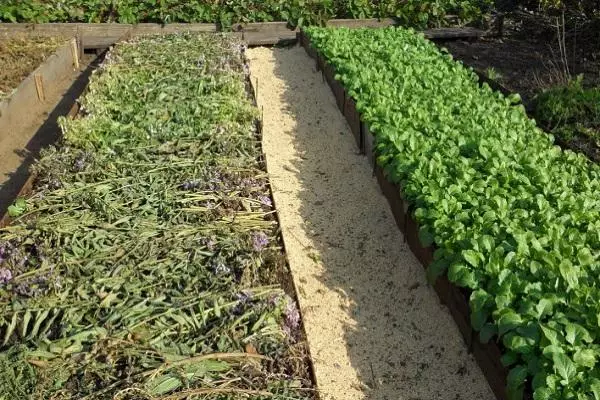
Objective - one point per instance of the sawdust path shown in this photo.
(375, 328)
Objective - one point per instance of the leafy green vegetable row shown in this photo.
(146, 263)
(298, 12)
(514, 219)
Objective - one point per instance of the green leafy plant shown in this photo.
(514, 219)
(17, 208)
(492, 74)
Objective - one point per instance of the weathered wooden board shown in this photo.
(99, 36)
(361, 23)
(453, 33)
(32, 90)
(269, 38)
(263, 27)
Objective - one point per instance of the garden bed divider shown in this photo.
(18, 106)
(104, 35)
(456, 299)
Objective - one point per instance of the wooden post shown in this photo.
(75, 53)
(39, 86)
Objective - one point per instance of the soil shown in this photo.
(20, 56)
(375, 328)
(524, 66)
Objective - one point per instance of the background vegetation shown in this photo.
(226, 12)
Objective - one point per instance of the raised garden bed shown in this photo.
(488, 354)
(146, 260)
(30, 68)
(548, 349)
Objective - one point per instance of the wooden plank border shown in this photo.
(32, 91)
(456, 299)
(104, 35)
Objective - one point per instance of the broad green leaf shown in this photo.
(585, 256)
(550, 334)
(595, 387)
(543, 394)
(487, 332)
(479, 301)
(507, 321)
(544, 307)
(539, 381)
(436, 269)
(564, 366)
(472, 257)
(425, 237)
(516, 382)
(577, 334)
(163, 384)
(569, 273)
(517, 343)
(509, 358)
(18, 208)
(552, 349)
(585, 357)
(462, 276)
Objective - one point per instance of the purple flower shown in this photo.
(292, 317)
(201, 61)
(5, 275)
(249, 183)
(244, 298)
(209, 243)
(189, 185)
(54, 184)
(265, 200)
(79, 164)
(81, 161)
(274, 300)
(219, 267)
(222, 269)
(223, 63)
(259, 241)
